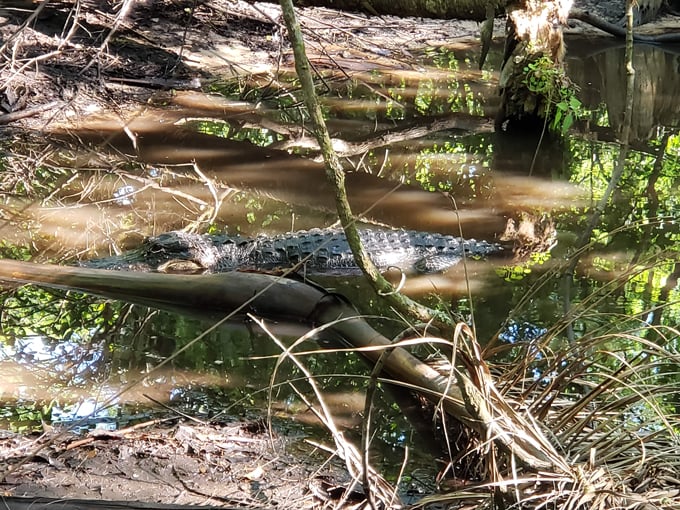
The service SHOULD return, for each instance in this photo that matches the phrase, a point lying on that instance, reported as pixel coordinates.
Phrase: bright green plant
(542, 77)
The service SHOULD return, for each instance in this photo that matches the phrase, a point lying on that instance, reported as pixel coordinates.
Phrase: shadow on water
(205, 162)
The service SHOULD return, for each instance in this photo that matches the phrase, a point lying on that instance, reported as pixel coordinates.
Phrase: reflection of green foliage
(646, 285)
(543, 78)
(423, 99)
(257, 136)
(603, 264)
(239, 362)
(394, 107)
(442, 58)
(598, 116)
(673, 149)
(450, 166)
(24, 418)
(599, 236)
(635, 247)
(41, 181)
(394, 110)
(647, 194)
(387, 97)
(257, 89)
(34, 311)
(231, 88)
(592, 164)
(460, 96)
(254, 207)
(13, 251)
(472, 103)
(518, 272)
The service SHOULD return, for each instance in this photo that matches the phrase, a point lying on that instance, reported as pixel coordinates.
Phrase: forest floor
(52, 72)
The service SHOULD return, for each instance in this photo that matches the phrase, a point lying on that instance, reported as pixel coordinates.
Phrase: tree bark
(440, 9)
(534, 31)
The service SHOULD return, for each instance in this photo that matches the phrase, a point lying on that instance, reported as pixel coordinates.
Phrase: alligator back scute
(327, 251)
(436, 263)
(436, 242)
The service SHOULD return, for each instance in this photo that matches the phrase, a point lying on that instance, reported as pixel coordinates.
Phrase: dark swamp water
(211, 163)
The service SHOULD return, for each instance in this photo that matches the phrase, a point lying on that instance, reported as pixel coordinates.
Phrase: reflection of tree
(600, 76)
(651, 208)
(639, 222)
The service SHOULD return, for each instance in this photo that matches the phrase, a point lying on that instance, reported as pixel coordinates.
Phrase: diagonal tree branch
(336, 177)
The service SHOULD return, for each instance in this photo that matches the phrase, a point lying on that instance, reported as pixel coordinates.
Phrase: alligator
(316, 251)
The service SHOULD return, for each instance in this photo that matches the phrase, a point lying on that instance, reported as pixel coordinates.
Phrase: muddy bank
(185, 463)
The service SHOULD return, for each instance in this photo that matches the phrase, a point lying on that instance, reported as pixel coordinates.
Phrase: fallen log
(27, 503)
(236, 294)
(620, 32)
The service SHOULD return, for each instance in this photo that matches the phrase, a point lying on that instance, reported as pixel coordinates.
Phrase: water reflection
(397, 197)
(228, 372)
(600, 73)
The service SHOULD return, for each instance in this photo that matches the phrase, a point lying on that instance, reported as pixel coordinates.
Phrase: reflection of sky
(526, 332)
(124, 195)
(87, 414)
(67, 357)
(522, 332)
(71, 361)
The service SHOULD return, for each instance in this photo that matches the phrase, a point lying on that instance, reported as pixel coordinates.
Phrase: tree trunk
(534, 41)
(441, 9)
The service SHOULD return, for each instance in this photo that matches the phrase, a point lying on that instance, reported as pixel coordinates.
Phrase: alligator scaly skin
(324, 251)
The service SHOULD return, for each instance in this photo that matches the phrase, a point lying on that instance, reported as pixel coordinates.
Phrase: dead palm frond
(604, 408)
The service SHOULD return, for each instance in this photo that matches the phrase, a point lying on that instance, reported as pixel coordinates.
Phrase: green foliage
(543, 78)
